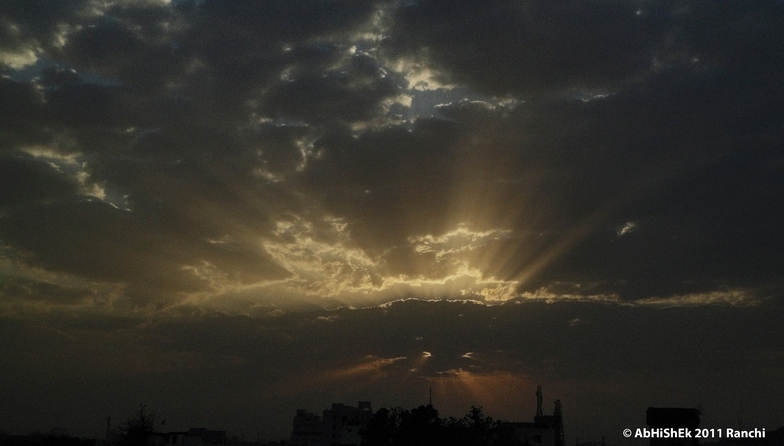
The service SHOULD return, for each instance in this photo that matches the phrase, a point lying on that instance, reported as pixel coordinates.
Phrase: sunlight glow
(498, 392)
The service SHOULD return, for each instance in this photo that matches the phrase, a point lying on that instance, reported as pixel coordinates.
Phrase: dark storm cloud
(96, 233)
(162, 108)
(532, 47)
(690, 162)
(116, 48)
(24, 180)
(154, 257)
(350, 95)
(278, 146)
(687, 154)
(212, 123)
(28, 24)
(684, 160)
(381, 177)
(24, 290)
(245, 47)
(21, 108)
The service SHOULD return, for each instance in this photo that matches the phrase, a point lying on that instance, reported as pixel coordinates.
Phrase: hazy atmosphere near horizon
(230, 210)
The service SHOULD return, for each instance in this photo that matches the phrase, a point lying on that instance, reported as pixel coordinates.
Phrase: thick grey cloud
(25, 180)
(28, 26)
(353, 94)
(198, 114)
(531, 47)
(536, 47)
(161, 110)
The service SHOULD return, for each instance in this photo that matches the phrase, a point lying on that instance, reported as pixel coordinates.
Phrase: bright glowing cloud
(371, 365)
(735, 297)
(18, 59)
(420, 76)
(456, 241)
(627, 228)
(322, 259)
(73, 165)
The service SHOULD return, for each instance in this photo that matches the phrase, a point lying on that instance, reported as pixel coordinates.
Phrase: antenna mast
(539, 412)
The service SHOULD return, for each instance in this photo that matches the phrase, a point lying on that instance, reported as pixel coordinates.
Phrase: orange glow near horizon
(501, 393)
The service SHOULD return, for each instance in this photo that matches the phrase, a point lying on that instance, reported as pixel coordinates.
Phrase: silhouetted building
(339, 425)
(209, 437)
(343, 424)
(672, 418)
(546, 430)
(308, 429)
(174, 439)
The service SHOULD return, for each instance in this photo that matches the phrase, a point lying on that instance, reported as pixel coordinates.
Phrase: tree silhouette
(382, 427)
(423, 427)
(478, 428)
(420, 426)
(136, 430)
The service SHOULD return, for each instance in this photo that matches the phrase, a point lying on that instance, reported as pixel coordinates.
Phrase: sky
(230, 210)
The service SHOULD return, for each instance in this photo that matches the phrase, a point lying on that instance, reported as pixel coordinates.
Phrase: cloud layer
(194, 149)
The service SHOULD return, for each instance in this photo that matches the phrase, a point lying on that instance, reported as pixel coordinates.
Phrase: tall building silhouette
(340, 424)
(546, 430)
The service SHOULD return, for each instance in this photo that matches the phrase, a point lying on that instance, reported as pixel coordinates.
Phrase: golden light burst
(483, 248)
